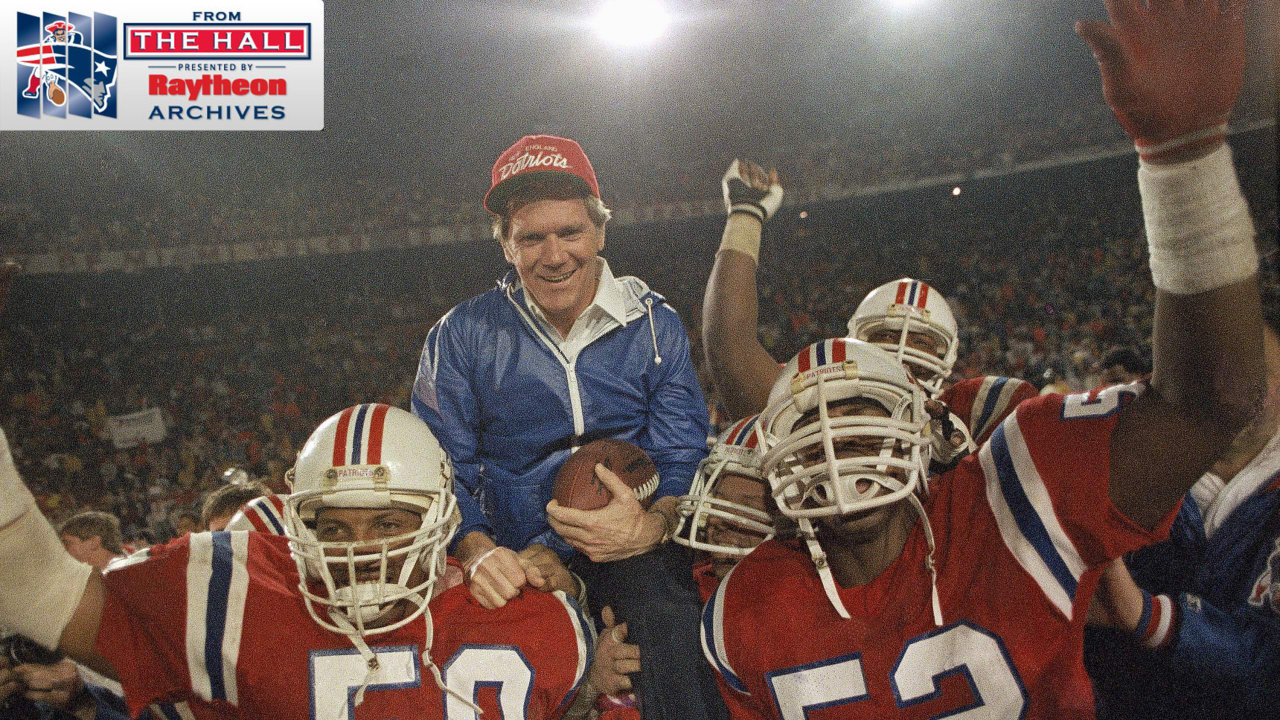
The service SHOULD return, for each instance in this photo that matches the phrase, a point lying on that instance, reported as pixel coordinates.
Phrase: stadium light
(631, 22)
(955, 190)
(903, 5)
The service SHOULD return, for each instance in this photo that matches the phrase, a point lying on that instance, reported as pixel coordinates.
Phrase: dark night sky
(430, 92)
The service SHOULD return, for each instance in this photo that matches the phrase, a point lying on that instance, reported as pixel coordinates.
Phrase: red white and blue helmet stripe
(359, 435)
(743, 434)
(825, 352)
(912, 293)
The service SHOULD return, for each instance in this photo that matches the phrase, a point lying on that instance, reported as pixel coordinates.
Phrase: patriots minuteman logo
(66, 65)
(1266, 589)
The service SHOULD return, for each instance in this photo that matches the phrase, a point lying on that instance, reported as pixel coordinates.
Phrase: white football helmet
(911, 306)
(803, 462)
(734, 453)
(370, 457)
(814, 456)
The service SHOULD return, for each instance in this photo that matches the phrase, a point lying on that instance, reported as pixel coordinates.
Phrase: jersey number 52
(960, 648)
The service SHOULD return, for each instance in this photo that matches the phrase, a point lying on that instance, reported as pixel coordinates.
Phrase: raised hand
(1171, 70)
(749, 189)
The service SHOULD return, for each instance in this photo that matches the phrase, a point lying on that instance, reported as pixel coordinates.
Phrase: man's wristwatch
(669, 526)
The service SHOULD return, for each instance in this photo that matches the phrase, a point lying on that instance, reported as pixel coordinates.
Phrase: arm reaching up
(1171, 72)
(744, 371)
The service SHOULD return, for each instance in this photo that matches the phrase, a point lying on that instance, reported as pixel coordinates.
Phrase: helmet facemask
(332, 570)
(821, 438)
(930, 369)
(815, 466)
(704, 508)
(904, 307)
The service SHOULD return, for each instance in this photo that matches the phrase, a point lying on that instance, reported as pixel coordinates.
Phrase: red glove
(1170, 71)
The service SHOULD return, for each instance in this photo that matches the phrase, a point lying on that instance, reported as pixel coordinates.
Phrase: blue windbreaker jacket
(509, 407)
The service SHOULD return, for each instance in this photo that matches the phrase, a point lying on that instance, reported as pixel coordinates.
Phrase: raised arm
(1171, 72)
(48, 596)
(743, 370)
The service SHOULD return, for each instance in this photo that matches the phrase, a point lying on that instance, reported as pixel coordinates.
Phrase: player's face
(846, 447)
(362, 525)
(745, 491)
(915, 340)
(553, 246)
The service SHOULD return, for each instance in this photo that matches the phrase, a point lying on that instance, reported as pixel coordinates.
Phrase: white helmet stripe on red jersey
(713, 637)
(1025, 515)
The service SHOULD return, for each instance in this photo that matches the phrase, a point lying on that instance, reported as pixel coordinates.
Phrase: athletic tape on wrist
(742, 233)
(1156, 625)
(42, 584)
(1199, 232)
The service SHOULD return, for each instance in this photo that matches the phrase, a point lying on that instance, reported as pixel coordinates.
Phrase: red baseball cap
(535, 156)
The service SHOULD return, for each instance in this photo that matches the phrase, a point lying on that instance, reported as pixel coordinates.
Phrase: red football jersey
(982, 403)
(216, 618)
(1017, 527)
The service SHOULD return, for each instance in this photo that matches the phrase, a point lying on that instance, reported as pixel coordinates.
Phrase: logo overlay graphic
(148, 65)
(70, 64)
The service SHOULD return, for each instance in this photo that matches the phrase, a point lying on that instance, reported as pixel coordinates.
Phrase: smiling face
(553, 246)
(367, 530)
(915, 340)
(848, 447)
(740, 490)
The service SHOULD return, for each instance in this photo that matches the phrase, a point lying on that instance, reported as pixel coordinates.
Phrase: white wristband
(474, 565)
(41, 584)
(1199, 231)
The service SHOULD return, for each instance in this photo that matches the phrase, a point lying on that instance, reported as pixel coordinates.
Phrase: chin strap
(435, 671)
(370, 659)
(829, 584)
(372, 666)
(928, 559)
(824, 569)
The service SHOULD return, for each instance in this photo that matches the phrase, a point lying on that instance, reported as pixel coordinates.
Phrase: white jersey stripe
(1033, 485)
(583, 633)
(1020, 503)
(199, 572)
(713, 636)
(234, 623)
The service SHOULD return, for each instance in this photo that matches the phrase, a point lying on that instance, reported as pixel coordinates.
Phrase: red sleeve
(1047, 470)
(1069, 437)
(143, 627)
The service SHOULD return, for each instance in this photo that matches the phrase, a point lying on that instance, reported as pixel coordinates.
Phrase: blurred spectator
(1120, 365)
(93, 537)
(223, 503)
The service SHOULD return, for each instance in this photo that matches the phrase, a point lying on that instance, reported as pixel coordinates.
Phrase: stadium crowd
(871, 151)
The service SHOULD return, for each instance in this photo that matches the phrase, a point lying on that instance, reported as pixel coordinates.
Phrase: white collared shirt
(607, 310)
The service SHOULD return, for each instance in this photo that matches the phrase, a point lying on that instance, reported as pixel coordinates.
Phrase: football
(578, 487)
